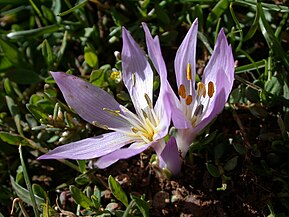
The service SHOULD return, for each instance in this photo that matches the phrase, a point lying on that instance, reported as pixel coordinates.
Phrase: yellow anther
(189, 72)
(189, 99)
(110, 111)
(149, 102)
(211, 89)
(115, 75)
(182, 91)
(133, 129)
(97, 124)
(201, 89)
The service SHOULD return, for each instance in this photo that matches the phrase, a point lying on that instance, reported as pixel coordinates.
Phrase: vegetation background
(238, 167)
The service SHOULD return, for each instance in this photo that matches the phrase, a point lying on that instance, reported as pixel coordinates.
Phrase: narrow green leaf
(80, 198)
(37, 112)
(80, 5)
(23, 193)
(117, 191)
(33, 32)
(217, 11)
(142, 206)
(28, 184)
(253, 27)
(270, 37)
(47, 53)
(11, 53)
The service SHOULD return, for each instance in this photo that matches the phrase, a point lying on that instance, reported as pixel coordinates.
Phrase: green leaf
(231, 164)
(47, 53)
(273, 86)
(80, 198)
(33, 32)
(217, 11)
(117, 191)
(14, 139)
(39, 191)
(90, 56)
(80, 5)
(23, 76)
(270, 37)
(11, 53)
(213, 170)
(142, 206)
(37, 112)
(24, 195)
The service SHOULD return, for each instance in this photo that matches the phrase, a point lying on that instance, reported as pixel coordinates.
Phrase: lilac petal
(89, 148)
(120, 154)
(171, 157)
(187, 54)
(155, 53)
(217, 103)
(137, 72)
(88, 100)
(221, 61)
(184, 138)
(220, 70)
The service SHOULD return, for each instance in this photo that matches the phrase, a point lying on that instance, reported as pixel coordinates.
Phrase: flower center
(194, 104)
(143, 126)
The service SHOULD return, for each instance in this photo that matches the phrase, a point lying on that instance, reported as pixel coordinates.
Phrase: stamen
(189, 99)
(149, 102)
(182, 91)
(201, 89)
(133, 79)
(134, 130)
(97, 124)
(110, 111)
(199, 110)
(211, 89)
(189, 72)
(144, 114)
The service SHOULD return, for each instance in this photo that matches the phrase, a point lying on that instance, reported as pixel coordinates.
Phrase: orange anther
(189, 99)
(201, 89)
(182, 91)
(211, 89)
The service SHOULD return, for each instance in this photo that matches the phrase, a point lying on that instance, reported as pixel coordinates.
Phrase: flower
(146, 128)
(198, 104)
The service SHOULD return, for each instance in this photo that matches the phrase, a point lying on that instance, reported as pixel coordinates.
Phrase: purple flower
(198, 104)
(146, 128)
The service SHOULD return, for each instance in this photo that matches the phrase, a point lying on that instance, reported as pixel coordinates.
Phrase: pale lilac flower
(146, 128)
(198, 104)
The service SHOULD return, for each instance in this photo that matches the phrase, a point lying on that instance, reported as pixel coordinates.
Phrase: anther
(182, 91)
(110, 111)
(97, 124)
(133, 79)
(149, 102)
(211, 89)
(189, 99)
(144, 114)
(189, 72)
(133, 129)
(199, 110)
(201, 89)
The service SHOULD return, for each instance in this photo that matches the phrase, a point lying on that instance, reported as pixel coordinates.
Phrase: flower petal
(221, 61)
(88, 100)
(123, 153)
(155, 53)
(137, 72)
(89, 148)
(220, 70)
(187, 54)
(171, 157)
